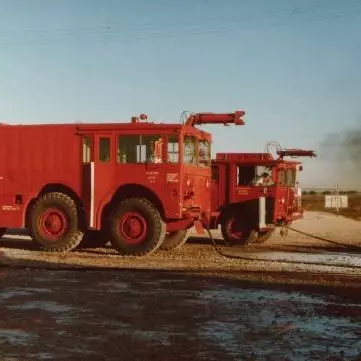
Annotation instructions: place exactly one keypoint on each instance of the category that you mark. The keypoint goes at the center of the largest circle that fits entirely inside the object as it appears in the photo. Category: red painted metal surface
(281, 197)
(51, 157)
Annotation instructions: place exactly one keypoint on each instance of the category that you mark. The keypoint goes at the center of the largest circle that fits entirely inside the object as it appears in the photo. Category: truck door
(98, 171)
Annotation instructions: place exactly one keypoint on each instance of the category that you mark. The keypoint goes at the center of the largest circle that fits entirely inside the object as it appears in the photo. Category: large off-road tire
(2, 231)
(236, 232)
(54, 223)
(94, 239)
(174, 240)
(136, 227)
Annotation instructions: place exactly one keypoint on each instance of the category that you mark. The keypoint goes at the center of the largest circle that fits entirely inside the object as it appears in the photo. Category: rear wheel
(54, 223)
(235, 231)
(135, 227)
(174, 240)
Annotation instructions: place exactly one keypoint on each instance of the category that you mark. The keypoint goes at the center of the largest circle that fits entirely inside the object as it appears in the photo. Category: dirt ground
(338, 257)
(293, 298)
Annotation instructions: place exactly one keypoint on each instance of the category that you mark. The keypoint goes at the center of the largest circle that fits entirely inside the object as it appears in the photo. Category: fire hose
(350, 246)
(217, 248)
(245, 258)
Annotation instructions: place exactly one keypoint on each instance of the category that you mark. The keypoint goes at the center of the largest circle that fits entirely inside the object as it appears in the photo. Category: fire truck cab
(252, 193)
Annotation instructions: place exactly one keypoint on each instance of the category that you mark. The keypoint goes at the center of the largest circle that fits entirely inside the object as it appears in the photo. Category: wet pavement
(148, 315)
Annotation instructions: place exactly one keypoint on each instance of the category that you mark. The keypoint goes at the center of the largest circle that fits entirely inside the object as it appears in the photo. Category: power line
(111, 33)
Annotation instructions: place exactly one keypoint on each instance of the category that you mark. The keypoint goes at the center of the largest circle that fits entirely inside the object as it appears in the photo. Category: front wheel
(136, 227)
(54, 223)
(174, 240)
(235, 231)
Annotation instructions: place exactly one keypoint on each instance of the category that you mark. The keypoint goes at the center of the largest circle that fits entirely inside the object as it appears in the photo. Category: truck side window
(87, 149)
(246, 175)
(173, 149)
(104, 149)
(140, 149)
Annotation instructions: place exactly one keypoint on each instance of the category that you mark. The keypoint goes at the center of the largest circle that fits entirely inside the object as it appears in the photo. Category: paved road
(145, 315)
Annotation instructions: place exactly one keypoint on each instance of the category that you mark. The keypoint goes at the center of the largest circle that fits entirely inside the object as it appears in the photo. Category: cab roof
(113, 126)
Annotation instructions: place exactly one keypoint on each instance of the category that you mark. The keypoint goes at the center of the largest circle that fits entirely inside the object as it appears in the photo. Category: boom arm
(216, 118)
(296, 153)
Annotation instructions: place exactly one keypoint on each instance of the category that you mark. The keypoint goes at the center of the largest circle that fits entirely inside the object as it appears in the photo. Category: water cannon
(216, 118)
(294, 153)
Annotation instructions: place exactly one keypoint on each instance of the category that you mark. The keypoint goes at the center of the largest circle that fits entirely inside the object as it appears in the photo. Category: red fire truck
(248, 209)
(140, 184)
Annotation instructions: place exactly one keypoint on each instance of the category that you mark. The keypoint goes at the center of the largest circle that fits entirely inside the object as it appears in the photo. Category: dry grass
(317, 203)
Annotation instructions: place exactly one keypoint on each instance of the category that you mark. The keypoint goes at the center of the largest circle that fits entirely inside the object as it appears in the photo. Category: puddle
(15, 292)
(41, 356)
(352, 260)
(16, 337)
(172, 281)
(162, 337)
(277, 324)
(42, 290)
(263, 296)
(160, 282)
(5, 295)
(42, 305)
(57, 279)
(223, 334)
(114, 286)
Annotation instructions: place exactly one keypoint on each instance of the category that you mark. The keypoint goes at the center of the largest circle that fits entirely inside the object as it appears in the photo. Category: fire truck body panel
(31, 158)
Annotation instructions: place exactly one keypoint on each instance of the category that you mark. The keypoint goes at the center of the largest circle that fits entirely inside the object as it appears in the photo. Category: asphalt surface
(153, 315)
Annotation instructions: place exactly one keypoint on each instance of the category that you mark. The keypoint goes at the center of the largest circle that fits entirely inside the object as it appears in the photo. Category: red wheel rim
(53, 223)
(132, 227)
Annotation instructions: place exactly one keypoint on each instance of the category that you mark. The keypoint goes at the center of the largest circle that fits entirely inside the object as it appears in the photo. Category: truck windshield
(189, 150)
(196, 152)
(204, 153)
(287, 177)
(140, 148)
